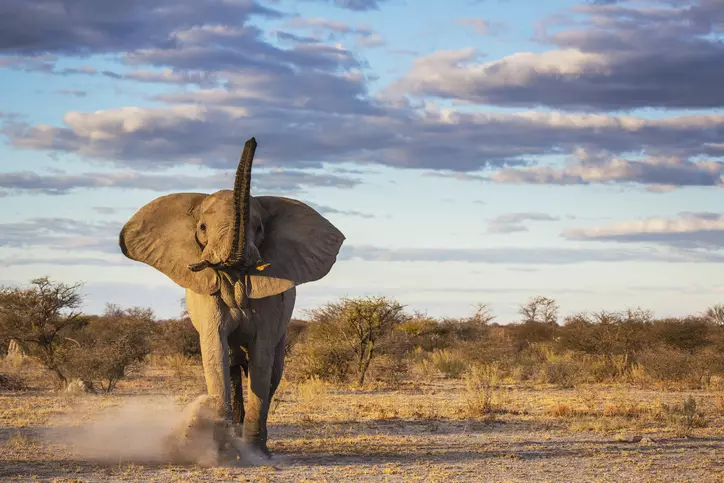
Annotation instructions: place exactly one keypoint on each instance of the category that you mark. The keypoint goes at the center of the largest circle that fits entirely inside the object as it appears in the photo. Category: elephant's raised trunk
(236, 253)
(242, 187)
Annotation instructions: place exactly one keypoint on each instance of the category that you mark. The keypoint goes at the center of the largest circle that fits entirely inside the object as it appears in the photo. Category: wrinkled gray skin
(175, 232)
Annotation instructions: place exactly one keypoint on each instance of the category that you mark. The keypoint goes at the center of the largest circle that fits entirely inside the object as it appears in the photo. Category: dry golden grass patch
(424, 431)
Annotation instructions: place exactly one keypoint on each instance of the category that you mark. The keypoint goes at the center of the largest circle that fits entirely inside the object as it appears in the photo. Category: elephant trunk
(242, 186)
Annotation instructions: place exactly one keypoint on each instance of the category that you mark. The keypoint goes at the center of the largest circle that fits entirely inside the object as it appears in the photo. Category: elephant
(239, 258)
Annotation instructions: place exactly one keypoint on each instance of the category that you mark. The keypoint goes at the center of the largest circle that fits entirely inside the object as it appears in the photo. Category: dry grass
(430, 430)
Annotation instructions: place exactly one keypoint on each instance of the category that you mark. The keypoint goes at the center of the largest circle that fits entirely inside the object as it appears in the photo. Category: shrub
(321, 355)
(345, 337)
(108, 347)
(389, 370)
(295, 331)
(10, 382)
(479, 392)
(666, 364)
(685, 334)
(450, 365)
(38, 317)
(176, 336)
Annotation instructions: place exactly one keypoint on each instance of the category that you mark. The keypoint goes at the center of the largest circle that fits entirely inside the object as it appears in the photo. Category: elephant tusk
(262, 266)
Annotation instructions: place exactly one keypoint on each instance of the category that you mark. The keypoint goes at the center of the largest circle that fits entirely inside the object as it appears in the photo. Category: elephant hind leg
(238, 361)
(278, 368)
(237, 395)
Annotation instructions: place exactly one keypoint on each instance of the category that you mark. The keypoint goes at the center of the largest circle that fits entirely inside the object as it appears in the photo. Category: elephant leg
(237, 395)
(261, 360)
(278, 369)
(238, 362)
(210, 321)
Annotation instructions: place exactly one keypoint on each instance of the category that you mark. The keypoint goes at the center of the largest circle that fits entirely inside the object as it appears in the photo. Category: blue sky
(470, 151)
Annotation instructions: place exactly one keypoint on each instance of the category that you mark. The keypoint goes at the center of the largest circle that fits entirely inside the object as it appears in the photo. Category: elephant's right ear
(162, 234)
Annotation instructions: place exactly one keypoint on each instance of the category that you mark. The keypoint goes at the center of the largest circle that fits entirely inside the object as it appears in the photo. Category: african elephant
(239, 257)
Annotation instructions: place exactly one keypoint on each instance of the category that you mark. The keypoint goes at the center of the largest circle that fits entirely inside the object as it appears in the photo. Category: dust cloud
(153, 430)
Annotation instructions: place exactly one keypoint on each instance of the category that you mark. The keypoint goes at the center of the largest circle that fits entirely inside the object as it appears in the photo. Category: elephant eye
(202, 227)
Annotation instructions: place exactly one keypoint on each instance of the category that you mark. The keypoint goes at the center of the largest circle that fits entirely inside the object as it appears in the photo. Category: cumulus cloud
(698, 230)
(623, 56)
(515, 222)
(279, 181)
(660, 173)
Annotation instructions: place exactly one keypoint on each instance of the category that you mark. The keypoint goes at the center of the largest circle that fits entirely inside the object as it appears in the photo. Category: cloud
(65, 261)
(514, 222)
(82, 27)
(285, 181)
(622, 56)
(332, 30)
(701, 230)
(355, 5)
(109, 210)
(660, 173)
(71, 92)
(524, 256)
(63, 234)
(426, 138)
(210, 44)
(328, 210)
(482, 26)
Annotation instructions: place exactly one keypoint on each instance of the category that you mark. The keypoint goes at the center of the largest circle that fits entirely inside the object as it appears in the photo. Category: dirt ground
(434, 431)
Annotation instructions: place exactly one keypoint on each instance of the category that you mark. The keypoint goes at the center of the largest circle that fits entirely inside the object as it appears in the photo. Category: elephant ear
(162, 234)
(300, 244)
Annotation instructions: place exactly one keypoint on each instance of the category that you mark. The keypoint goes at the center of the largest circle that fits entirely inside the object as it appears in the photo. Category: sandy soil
(421, 432)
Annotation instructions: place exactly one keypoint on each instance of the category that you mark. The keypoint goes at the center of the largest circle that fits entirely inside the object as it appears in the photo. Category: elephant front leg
(208, 319)
(261, 362)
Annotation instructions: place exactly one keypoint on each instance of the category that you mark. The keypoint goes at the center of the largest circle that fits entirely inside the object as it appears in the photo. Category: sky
(471, 151)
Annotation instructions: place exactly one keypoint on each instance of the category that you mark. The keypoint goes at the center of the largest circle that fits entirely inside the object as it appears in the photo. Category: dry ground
(434, 431)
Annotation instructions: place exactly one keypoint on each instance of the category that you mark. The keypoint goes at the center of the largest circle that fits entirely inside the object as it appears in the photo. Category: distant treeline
(374, 339)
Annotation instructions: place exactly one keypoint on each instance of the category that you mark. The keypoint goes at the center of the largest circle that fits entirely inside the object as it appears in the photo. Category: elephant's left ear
(300, 244)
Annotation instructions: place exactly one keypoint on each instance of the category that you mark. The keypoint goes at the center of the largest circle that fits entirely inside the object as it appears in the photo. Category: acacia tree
(361, 323)
(540, 309)
(37, 316)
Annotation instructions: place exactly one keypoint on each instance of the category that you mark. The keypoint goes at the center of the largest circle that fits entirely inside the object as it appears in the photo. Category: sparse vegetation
(363, 365)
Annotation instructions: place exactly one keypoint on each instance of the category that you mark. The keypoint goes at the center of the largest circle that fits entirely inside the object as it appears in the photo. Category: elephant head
(198, 240)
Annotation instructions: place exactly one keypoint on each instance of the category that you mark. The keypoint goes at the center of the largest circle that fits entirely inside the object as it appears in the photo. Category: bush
(344, 338)
(666, 364)
(320, 355)
(9, 382)
(38, 317)
(295, 331)
(450, 364)
(176, 336)
(108, 347)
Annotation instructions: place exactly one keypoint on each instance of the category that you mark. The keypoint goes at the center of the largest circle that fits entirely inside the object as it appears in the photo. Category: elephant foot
(254, 452)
